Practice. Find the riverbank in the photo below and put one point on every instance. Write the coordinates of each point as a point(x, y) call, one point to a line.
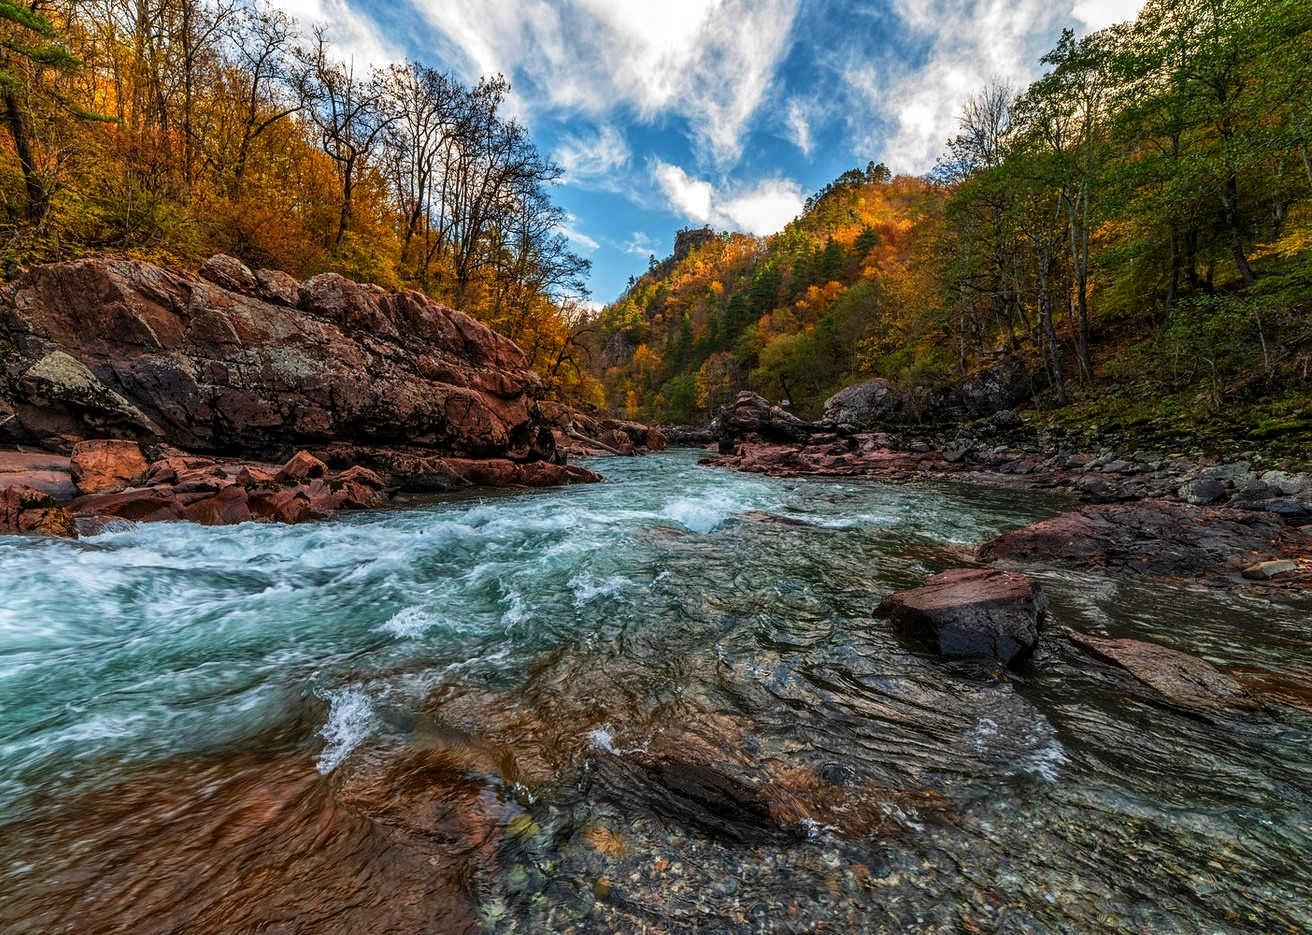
point(1162, 513)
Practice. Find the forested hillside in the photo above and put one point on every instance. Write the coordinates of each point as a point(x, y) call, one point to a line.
point(1135, 226)
point(174, 129)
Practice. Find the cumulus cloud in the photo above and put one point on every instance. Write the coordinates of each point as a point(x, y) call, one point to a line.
point(707, 61)
point(592, 158)
point(761, 209)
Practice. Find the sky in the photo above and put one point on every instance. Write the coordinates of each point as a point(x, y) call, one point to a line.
point(673, 113)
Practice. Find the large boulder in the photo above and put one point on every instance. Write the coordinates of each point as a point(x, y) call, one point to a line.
point(869, 405)
point(971, 613)
point(1182, 679)
point(107, 464)
point(1002, 386)
point(751, 417)
point(222, 363)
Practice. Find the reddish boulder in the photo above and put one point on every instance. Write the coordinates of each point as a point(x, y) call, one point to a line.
point(303, 466)
point(27, 510)
point(971, 613)
point(227, 507)
point(49, 473)
point(145, 504)
point(1183, 679)
point(1148, 537)
point(107, 464)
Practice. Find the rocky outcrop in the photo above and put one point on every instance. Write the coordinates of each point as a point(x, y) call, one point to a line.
point(1149, 537)
point(1178, 677)
point(107, 464)
point(237, 362)
point(751, 418)
point(584, 435)
point(171, 392)
point(971, 613)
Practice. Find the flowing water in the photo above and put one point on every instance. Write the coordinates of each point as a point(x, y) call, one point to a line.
point(656, 704)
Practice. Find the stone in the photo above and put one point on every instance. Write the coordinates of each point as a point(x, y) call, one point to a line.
point(1263, 571)
point(302, 466)
point(229, 273)
point(1156, 537)
point(1202, 491)
point(107, 464)
point(1179, 677)
point(49, 473)
point(28, 510)
point(751, 417)
point(971, 613)
point(868, 405)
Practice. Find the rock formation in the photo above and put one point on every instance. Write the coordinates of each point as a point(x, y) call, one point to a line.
point(175, 394)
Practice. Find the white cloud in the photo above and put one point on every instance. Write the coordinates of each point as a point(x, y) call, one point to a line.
point(798, 119)
point(640, 245)
point(355, 37)
point(592, 158)
point(708, 61)
point(1099, 14)
point(906, 115)
point(575, 236)
point(762, 209)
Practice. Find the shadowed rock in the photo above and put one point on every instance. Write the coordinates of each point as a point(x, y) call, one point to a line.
point(971, 613)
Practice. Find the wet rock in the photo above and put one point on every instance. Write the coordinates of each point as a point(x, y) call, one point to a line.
point(27, 510)
point(1148, 537)
point(868, 405)
point(106, 465)
point(971, 613)
point(143, 505)
point(227, 507)
point(1179, 677)
point(1263, 571)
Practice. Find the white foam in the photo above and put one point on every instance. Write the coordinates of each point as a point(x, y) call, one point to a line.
point(586, 588)
point(699, 515)
point(351, 719)
point(412, 622)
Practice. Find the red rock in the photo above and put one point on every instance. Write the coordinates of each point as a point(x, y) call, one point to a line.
point(251, 475)
point(1148, 537)
point(283, 506)
point(107, 464)
point(1181, 678)
point(146, 504)
point(361, 475)
point(48, 473)
point(28, 510)
point(227, 507)
point(302, 466)
point(972, 612)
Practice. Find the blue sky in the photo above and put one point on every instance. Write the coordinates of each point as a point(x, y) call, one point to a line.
point(668, 113)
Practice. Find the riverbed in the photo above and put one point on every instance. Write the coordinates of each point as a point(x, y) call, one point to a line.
point(659, 703)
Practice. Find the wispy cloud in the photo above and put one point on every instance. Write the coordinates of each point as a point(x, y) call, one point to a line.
point(760, 209)
point(709, 62)
point(592, 159)
point(576, 236)
point(355, 37)
point(640, 245)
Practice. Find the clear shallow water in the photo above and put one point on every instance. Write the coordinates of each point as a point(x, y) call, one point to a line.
point(619, 706)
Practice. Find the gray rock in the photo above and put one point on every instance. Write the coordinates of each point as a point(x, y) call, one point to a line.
point(1202, 492)
point(867, 405)
point(971, 613)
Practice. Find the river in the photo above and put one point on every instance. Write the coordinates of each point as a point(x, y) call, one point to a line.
point(660, 703)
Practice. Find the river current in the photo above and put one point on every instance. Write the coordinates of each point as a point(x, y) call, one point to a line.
point(660, 703)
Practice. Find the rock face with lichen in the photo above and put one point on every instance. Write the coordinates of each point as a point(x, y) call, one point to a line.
point(237, 362)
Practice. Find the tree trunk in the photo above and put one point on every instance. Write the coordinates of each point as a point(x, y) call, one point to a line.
point(1231, 201)
point(38, 199)
point(344, 218)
